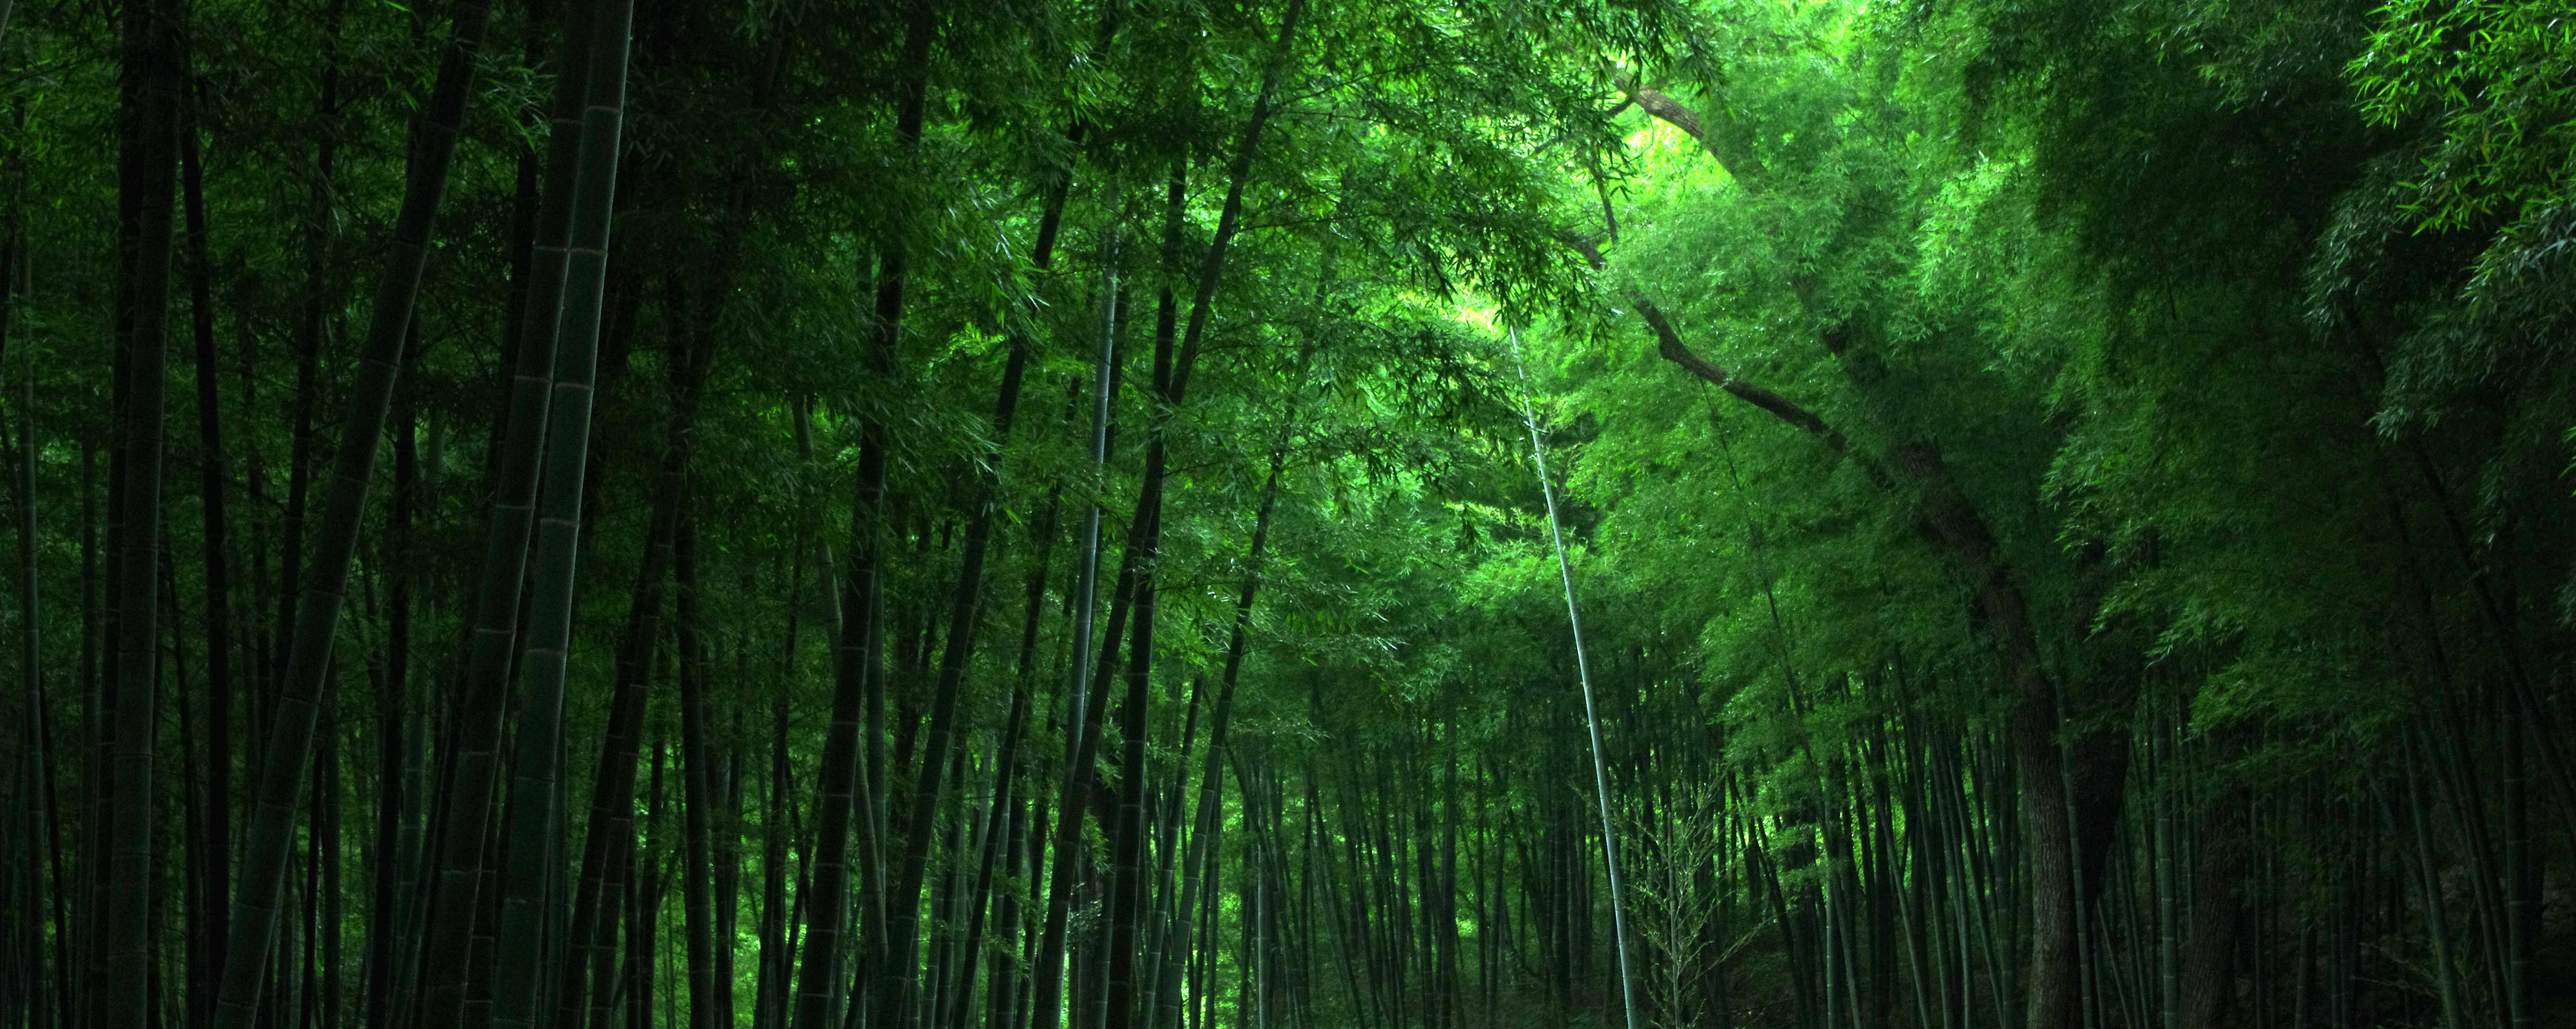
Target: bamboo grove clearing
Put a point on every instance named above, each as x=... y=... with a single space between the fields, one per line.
x=1073 y=514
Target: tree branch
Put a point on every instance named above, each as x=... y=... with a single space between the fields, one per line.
x=1744 y=166
x=1669 y=345
x=1948 y=519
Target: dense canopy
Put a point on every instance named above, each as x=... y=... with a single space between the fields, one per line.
x=1331 y=514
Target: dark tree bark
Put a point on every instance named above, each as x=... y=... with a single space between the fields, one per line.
x=148 y=159
x=2217 y=912
x=218 y=610
x=697 y=800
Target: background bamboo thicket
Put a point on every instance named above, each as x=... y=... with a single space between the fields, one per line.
x=604 y=514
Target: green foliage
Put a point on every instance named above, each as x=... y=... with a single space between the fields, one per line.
x=2493 y=82
x=2240 y=330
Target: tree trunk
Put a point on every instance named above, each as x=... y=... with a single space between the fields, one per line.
x=210 y=493
x=2208 y=974
x=1171 y=383
x=147 y=165
x=697 y=799
x=482 y=688
x=1046 y=983
x=36 y=735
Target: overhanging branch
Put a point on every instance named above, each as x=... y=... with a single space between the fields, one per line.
x=1669 y=346
x=1744 y=166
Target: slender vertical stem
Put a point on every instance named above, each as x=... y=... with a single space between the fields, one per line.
x=34 y=737
x=218 y=616
x=1047 y=988
x=697 y=789
x=1591 y=713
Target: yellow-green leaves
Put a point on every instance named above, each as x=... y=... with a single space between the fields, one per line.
x=2496 y=79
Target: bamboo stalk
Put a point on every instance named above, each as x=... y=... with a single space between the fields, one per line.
x=1591 y=715
x=289 y=749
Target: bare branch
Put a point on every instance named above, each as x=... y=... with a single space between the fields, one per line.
x=1744 y=166
x=1669 y=345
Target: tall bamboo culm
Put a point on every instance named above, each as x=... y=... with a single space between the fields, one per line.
x=289 y=750
x=558 y=533
x=147 y=163
x=1591 y=713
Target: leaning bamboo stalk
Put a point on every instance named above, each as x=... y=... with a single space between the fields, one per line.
x=465 y=801
x=1008 y=760
x=965 y=616
x=2437 y=921
x=289 y=749
x=1139 y=597
x=385 y=861
x=559 y=520
x=860 y=682
x=1002 y=998
x=1209 y=811
x=1046 y=983
x=1172 y=372
x=39 y=807
x=1591 y=714
x=218 y=618
x=591 y=929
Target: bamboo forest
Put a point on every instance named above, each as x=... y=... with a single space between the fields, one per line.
x=1288 y=514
